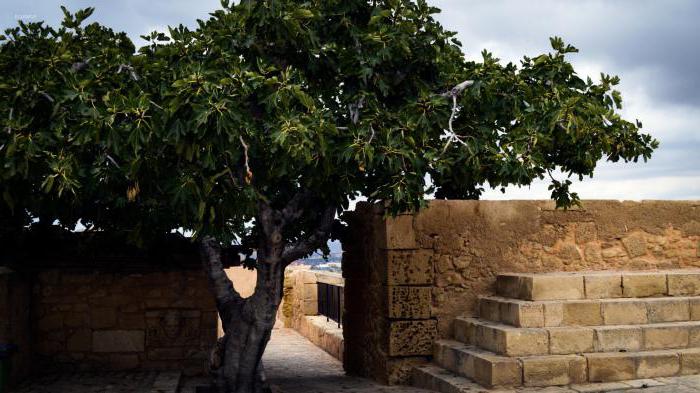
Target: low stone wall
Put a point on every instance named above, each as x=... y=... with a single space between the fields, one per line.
x=116 y=321
x=299 y=309
x=15 y=325
x=408 y=277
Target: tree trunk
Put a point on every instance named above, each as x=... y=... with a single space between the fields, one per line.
x=237 y=360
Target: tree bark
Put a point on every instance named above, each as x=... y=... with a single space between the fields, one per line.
x=247 y=322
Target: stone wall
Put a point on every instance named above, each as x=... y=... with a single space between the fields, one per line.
x=299 y=309
x=408 y=277
x=116 y=321
x=15 y=306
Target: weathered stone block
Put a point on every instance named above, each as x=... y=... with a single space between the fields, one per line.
x=412 y=338
x=612 y=339
x=512 y=341
x=666 y=337
x=464 y=330
x=409 y=268
x=690 y=361
x=554 y=370
x=694 y=309
x=409 y=302
x=540 y=286
x=557 y=287
x=643 y=284
x=635 y=245
x=565 y=340
x=103 y=317
x=399 y=233
x=583 y=313
x=662 y=364
x=608 y=367
x=522 y=314
x=603 y=286
x=553 y=314
x=118 y=341
x=497 y=371
x=80 y=341
x=683 y=284
x=624 y=312
x=668 y=310
x=490 y=309
x=310 y=307
x=310 y=292
x=586 y=232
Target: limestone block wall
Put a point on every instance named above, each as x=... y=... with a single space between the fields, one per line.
x=408 y=277
x=299 y=309
x=15 y=305
x=149 y=320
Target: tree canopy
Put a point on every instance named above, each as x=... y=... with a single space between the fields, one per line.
x=285 y=103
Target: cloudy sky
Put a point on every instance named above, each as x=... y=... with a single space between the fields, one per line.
x=651 y=44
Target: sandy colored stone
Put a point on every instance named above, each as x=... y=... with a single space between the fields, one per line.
x=399 y=233
x=409 y=302
x=690 y=361
x=118 y=340
x=586 y=232
x=666 y=337
x=603 y=286
x=582 y=313
x=668 y=310
x=663 y=364
x=694 y=304
x=409 y=268
x=540 y=287
x=497 y=371
x=613 y=339
x=624 y=313
x=522 y=314
x=553 y=314
x=683 y=284
x=553 y=370
x=512 y=341
x=635 y=245
x=412 y=338
x=610 y=367
x=464 y=330
x=556 y=287
x=643 y=284
x=490 y=309
x=570 y=340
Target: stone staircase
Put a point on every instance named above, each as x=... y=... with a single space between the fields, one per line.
x=572 y=328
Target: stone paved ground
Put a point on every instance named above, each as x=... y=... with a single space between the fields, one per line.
x=295 y=365
x=84 y=382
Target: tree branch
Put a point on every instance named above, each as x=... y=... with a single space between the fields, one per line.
x=223 y=289
x=313 y=242
x=293 y=211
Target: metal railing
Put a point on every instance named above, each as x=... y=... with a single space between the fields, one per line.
x=330 y=302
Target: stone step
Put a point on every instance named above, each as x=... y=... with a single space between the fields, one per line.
x=491 y=370
x=437 y=379
x=512 y=341
x=589 y=312
x=598 y=285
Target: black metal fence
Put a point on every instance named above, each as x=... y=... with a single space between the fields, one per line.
x=330 y=302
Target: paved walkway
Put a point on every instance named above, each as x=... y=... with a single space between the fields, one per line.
x=101 y=382
x=295 y=365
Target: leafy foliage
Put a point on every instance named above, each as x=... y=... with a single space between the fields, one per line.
x=329 y=99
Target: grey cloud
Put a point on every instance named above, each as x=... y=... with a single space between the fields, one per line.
x=659 y=36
